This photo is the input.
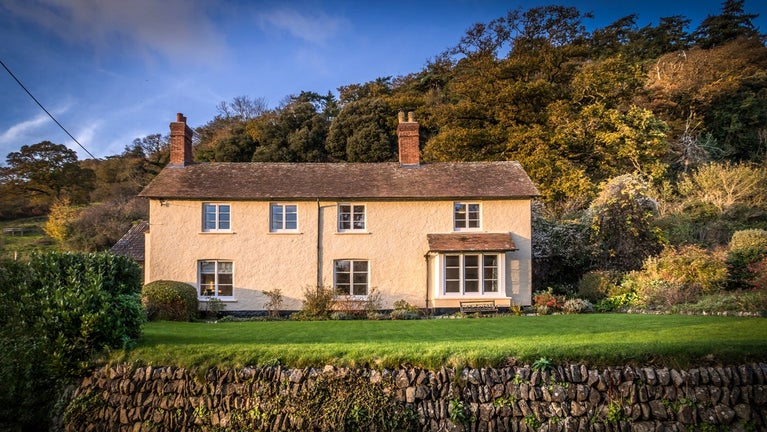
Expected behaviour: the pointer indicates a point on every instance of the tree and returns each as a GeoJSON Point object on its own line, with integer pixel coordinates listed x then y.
{"type": "Point", "coordinates": [731, 24]}
{"type": "Point", "coordinates": [361, 132]}
{"type": "Point", "coordinates": [623, 230]}
{"type": "Point", "coordinates": [242, 108]}
{"type": "Point", "coordinates": [48, 171]}
{"type": "Point", "coordinates": [61, 215]}
{"type": "Point", "coordinates": [296, 131]}
{"type": "Point", "coordinates": [725, 186]}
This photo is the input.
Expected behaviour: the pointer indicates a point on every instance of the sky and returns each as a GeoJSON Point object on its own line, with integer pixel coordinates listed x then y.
{"type": "Point", "coordinates": [111, 71]}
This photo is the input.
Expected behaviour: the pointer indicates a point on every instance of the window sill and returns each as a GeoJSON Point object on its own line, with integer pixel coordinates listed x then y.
{"type": "Point", "coordinates": [353, 232]}
{"type": "Point", "coordinates": [285, 233]}
{"type": "Point", "coordinates": [223, 299]}
{"type": "Point", "coordinates": [217, 232]}
{"type": "Point", "coordinates": [491, 296]}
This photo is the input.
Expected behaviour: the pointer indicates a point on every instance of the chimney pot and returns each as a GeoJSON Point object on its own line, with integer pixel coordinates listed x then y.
{"type": "Point", "coordinates": [401, 117]}
{"type": "Point", "coordinates": [408, 139]}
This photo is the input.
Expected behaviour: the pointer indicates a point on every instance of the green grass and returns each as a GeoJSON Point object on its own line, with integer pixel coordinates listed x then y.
{"type": "Point", "coordinates": [597, 339]}
{"type": "Point", "coordinates": [22, 246]}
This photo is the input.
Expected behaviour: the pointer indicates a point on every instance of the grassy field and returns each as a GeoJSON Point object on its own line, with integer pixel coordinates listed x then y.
{"type": "Point", "coordinates": [596, 339]}
{"type": "Point", "coordinates": [22, 245]}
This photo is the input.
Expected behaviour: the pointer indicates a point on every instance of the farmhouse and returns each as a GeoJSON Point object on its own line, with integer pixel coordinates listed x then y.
{"type": "Point", "coordinates": [432, 234]}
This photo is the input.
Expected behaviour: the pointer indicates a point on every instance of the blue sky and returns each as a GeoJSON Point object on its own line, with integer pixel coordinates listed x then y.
{"type": "Point", "coordinates": [114, 70]}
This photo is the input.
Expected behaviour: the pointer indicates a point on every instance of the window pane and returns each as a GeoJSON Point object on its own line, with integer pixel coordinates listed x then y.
{"type": "Point", "coordinates": [471, 273]}
{"type": "Point", "coordinates": [452, 273]}
{"type": "Point", "coordinates": [452, 286]}
{"type": "Point", "coordinates": [225, 290]}
{"type": "Point", "coordinates": [208, 267]}
{"type": "Point", "coordinates": [359, 221]}
{"type": "Point", "coordinates": [277, 220]}
{"type": "Point", "coordinates": [473, 219]}
{"type": "Point", "coordinates": [207, 285]}
{"type": "Point", "coordinates": [459, 215]}
{"type": "Point", "coordinates": [209, 217]}
{"type": "Point", "coordinates": [343, 278]}
{"type": "Point", "coordinates": [343, 266]}
{"type": "Point", "coordinates": [291, 217]}
{"type": "Point", "coordinates": [471, 286]}
{"type": "Point", "coordinates": [225, 267]}
{"type": "Point", "coordinates": [360, 290]}
{"type": "Point", "coordinates": [360, 278]}
{"type": "Point", "coordinates": [342, 289]}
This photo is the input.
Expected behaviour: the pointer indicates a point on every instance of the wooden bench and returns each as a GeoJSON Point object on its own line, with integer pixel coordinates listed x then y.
{"type": "Point", "coordinates": [478, 306]}
{"type": "Point", "coordinates": [14, 231]}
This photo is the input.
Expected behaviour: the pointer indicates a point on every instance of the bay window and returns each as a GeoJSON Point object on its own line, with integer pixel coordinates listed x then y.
{"type": "Point", "coordinates": [470, 274]}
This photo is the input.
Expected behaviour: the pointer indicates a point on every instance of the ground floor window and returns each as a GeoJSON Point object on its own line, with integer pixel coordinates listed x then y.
{"type": "Point", "coordinates": [351, 277]}
{"type": "Point", "coordinates": [470, 273]}
{"type": "Point", "coordinates": [216, 278]}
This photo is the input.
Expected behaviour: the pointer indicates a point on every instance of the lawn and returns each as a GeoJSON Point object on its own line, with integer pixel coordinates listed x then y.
{"type": "Point", "coordinates": [596, 339]}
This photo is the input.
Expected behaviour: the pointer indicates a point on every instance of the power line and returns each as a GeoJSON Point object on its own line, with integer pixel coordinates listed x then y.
{"type": "Point", "coordinates": [46, 111]}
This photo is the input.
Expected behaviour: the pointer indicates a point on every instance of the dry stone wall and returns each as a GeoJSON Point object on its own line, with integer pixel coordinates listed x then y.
{"type": "Point", "coordinates": [564, 398]}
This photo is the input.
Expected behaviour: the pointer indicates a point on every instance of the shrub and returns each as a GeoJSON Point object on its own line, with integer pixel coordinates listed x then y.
{"type": "Point", "coordinates": [577, 306]}
{"type": "Point", "coordinates": [405, 311]}
{"type": "Point", "coordinates": [274, 304]}
{"type": "Point", "coordinates": [678, 276]}
{"type": "Point", "coordinates": [59, 311]}
{"type": "Point", "coordinates": [747, 248]}
{"type": "Point", "coordinates": [318, 304]}
{"type": "Point", "coordinates": [166, 300]}
{"type": "Point", "coordinates": [616, 302]}
{"type": "Point", "coordinates": [741, 301]}
{"type": "Point", "coordinates": [597, 284]}
{"type": "Point", "coordinates": [214, 307]}
{"type": "Point", "coordinates": [661, 292]}
{"type": "Point", "coordinates": [548, 299]}
{"type": "Point", "coordinates": [759, 271]}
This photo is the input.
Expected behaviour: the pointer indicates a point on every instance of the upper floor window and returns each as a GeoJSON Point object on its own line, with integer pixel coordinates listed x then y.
{"type": "Point", "coordinates": [216, 278]}
{"type": "Point", "coordinates": [465, 216]}
{"type": "Point", "coordinates": [216, 217]}
{"type": "Point", "coordinates": [350, 277]}
{"type": "Point", "coordinates": [351, 217]}
{"type": "Point", "coordinates": [284, 218]}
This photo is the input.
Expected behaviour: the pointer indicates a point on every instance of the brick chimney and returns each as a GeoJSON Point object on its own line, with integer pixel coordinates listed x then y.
{"type": "Point", "coordinates": [407, 136]}
{"type": "Point", "coordinates": [180, 142]}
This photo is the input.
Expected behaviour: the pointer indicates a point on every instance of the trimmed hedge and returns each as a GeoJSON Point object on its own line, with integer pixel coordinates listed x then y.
{"type": "Point", "coordinates": [60, 311]}
{"type": "Point", "coordinates": [166, 300]}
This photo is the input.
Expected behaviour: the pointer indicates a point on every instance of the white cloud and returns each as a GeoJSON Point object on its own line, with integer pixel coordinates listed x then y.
{"type": "Point", "coordinates": [16, 132]}
{"type": "Point", "coordinates": [176, 29]}
{"type": "Point", "coordinates": [315, 28]}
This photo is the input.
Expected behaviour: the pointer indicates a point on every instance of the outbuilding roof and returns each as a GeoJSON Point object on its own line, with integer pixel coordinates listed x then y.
{"type": "Point", "coordinates": [132, 243]}
{"type": "Point", "coordinates": [292, 181]}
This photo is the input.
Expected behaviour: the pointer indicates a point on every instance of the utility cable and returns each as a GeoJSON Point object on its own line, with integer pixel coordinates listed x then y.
{"type": "Point", "coordinates": [46, 111]}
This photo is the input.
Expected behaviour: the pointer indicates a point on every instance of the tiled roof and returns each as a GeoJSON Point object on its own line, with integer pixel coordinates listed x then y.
{"type": "Point", "coordinates": [471, 242]}
{"type": "Point", "coordinates": [132, 243]}
{"type": "Point", "coordinates": [257, 180]}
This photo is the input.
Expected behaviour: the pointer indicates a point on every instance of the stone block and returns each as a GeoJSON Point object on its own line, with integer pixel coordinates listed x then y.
{"type": "Point", "coordinates": [724, 414]}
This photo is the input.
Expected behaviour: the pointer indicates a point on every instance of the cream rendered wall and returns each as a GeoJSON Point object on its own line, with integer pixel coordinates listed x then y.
{"type": "Point", "coordinates": [394, 244]}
